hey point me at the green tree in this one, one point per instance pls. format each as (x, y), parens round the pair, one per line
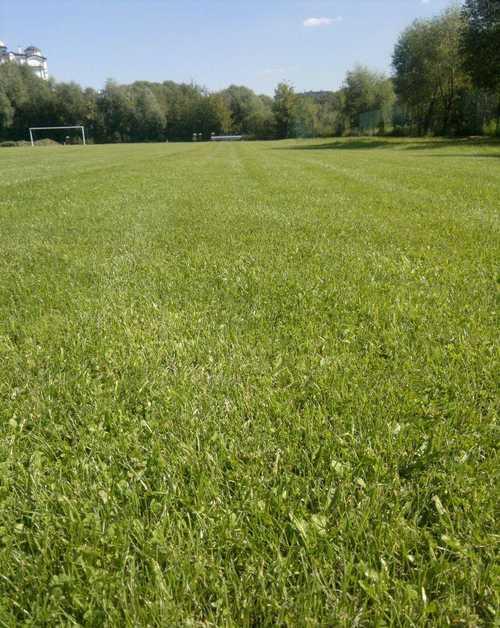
(260, 121)
(330, 118)
(305, 117)
(221, 114)
(31, 99)
(6, 114)
(480, 42)
(149, 119)
(183, 107)
(213, 115)
(365, 91)
(70, 104)
(285, 108)
(429, 77)
(247, 109)
(116, 108)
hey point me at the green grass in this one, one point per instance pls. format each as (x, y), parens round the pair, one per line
(249, 384)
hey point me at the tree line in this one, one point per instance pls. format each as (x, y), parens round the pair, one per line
(445, 81)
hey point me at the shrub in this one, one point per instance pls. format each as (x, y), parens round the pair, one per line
(492, 128)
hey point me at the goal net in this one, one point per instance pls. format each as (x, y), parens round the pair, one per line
(35, 129)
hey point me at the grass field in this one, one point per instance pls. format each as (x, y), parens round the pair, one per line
(249, 384)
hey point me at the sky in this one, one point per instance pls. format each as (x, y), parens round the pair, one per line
(258, 43)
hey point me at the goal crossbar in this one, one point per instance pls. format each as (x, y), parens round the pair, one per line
(52, 128)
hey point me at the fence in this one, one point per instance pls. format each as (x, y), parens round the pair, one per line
(474, 113)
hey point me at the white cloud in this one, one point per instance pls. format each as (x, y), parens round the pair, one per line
(314, 22)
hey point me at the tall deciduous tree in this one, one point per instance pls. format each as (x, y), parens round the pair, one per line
(481, 42)
(6, 113)
(248, 111)
(366, 90)
(306, 117)
(213, 115)
(285, 109)
(429, 74)
(149, 119)
(221, 114)
(116, 106)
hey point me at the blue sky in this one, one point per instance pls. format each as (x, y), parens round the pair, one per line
(212, 42)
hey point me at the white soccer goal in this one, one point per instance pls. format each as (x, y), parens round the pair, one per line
(53, 128)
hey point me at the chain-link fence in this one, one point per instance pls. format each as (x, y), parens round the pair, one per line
(474, 113)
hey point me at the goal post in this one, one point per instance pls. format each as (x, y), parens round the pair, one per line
(54, 128)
